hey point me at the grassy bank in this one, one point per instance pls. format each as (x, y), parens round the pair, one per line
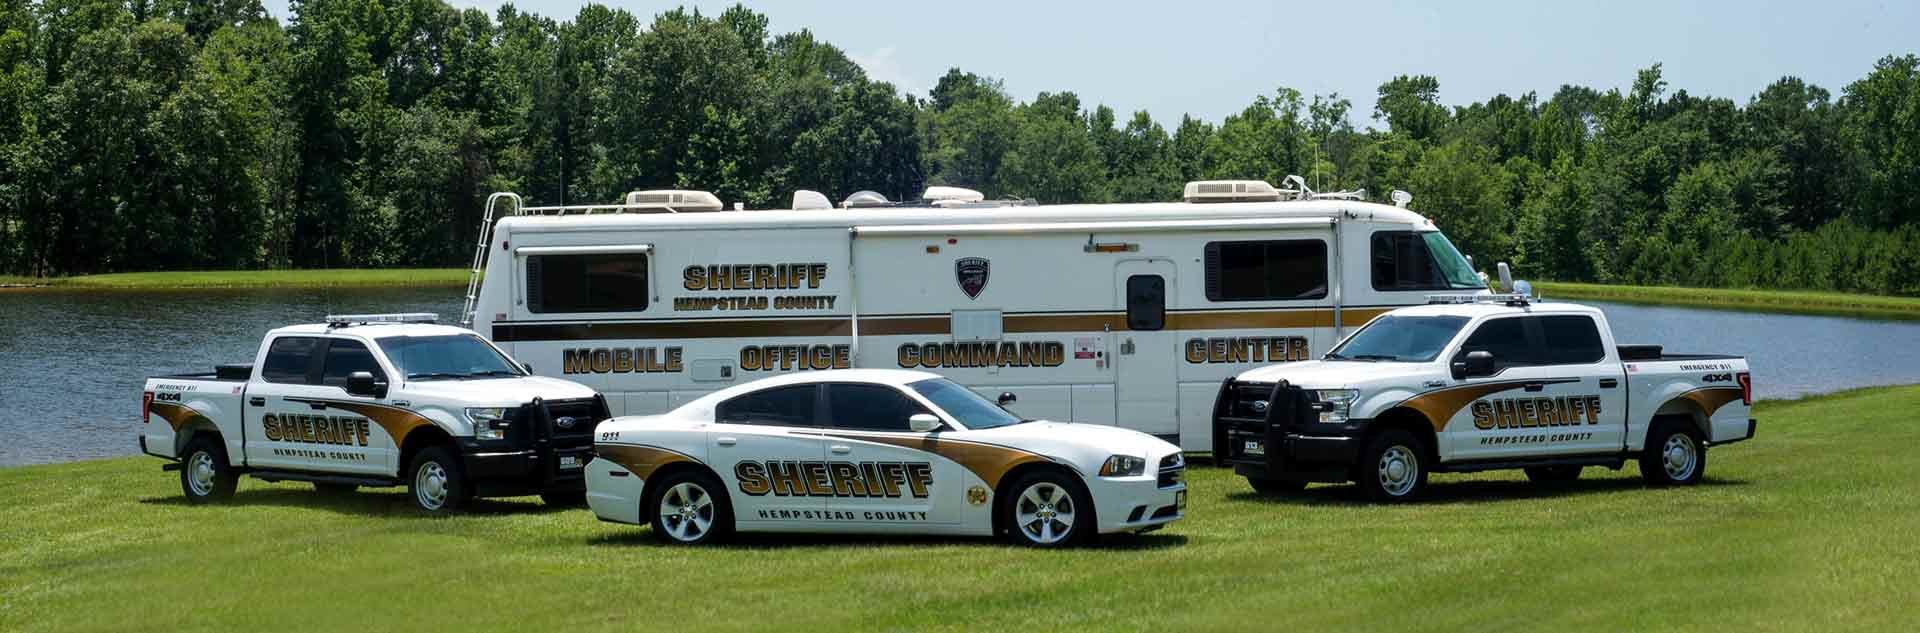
(337, 277)
(1803, 302)
(1807, 527)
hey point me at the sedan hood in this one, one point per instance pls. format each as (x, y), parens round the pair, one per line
(1084, 446)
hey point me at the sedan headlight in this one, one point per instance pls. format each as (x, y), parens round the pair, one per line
(489, 423)
(1334, 405)
(1123, 466)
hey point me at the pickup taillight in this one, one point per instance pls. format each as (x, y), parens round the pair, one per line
(146, 407)
(1746, 387)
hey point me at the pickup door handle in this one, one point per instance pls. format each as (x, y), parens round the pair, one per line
(1536, 386)
(725, 441)
(317, 405)
(258, 402)
(1609, 383)
(840, 449)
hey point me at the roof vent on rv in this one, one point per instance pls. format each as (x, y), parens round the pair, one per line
(957, 194)
(1231, 191)
(864, 199)
(674, 199)
(806, 199)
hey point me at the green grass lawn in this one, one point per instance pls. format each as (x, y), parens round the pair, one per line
(1813, 525)
(336, 277)
(1803, 302)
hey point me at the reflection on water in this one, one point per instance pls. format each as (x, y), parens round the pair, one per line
(74, 361)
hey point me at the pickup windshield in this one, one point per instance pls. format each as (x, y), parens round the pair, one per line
(446, 356)
(1403, 339)
(969, 408)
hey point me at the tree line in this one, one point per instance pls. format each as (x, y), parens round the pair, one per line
(195, 134)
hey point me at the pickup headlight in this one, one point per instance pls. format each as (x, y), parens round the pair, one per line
(1123, 466)
(1334, 404)
(489, 423)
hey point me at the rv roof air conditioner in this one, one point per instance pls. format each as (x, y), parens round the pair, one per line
(677, 200)
(1231, 191)
(806, 200)
(861, 199)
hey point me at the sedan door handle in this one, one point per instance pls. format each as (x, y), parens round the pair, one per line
(258, 402)
(840, 449)
(1609, 383)
(1536, 386)
(725, 441)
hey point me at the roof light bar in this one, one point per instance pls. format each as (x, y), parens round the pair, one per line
(337, 320)
(1510, 298)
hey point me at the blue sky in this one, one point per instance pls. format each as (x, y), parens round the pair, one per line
(1211, 59)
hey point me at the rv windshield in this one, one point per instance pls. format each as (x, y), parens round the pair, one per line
(967, 407)
(1400, 339)
(1450, 264)
(446, 356)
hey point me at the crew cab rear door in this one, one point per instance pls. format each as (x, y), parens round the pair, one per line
(1554, 391)
(293, 421)
(761, 443)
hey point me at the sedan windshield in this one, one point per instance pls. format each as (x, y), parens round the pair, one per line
(969, 408)
(1405, 339)
(446, 356)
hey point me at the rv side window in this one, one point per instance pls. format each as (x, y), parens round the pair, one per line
(597, 282)
(1266, 270)
(780, 406)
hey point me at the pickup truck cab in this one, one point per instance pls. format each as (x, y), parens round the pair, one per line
(1480, 382)
(377, 401)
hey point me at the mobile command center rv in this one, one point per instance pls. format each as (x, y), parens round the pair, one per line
(1123, 314)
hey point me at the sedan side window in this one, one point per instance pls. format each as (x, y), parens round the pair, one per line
(870, 407)
(780, 406)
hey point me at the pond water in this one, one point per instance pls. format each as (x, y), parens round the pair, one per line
(72, 362)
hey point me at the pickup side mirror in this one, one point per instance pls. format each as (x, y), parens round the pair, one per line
(924, 423)
(1007, 398)
(1475, 365)
(527, 366)
(362, 383)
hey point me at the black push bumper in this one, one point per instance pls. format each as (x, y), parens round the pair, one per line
(1273, 432)
(539, 457)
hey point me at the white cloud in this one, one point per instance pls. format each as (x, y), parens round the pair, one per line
(881, 65)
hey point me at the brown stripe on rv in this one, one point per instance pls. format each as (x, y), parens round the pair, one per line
(640, 460)
(920, 325)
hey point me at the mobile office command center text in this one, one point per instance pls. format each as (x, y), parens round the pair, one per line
(1121, 314)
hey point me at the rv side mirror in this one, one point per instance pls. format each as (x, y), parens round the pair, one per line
(1007, 398)
(923, 423)
(361, 383)
(1476, 364)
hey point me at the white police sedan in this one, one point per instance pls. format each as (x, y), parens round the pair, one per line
(878, 451)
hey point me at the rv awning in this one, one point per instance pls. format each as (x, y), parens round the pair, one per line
(582, 250)
(1137, 226)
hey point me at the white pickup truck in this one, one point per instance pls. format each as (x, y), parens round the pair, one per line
(1470, 383)
(375, 400)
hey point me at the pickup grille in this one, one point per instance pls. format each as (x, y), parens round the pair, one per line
(570, 423)
(1249, 400)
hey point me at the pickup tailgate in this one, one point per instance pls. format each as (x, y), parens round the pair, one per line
(172, 408)
(1718, 387)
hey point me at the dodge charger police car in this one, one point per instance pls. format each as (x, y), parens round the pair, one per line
(869, 451)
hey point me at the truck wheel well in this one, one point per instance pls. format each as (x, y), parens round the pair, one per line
(1411, 421)
(417, 441)
(196, 430)
(646, 509)
(1005, 487)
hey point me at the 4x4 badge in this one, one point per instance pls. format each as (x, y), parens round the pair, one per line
(972, 273)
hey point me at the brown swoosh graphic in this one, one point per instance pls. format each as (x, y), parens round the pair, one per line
(1439, 405)
(396, 421)
(991, 463)
(177, 416)
(1711, 399)
(642, 460)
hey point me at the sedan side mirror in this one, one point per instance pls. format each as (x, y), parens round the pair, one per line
(362, 383)
(1476, 364)
(924, 423)
(1007, 398)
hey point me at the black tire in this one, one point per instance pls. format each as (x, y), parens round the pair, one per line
(1554, 474)
(334, 490)
(1675, 454)
(1033, 506)
(1276, 487)
(705, 512)
(564, 499)
(435, 482)
(1393, 467)
(205, 475)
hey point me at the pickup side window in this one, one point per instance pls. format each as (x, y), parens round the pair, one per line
(1270, 270)
(290, 360)
(780, 406)
(870, 407)
(1506, 339)
(593, 282)
(1571, 339)
(345, 357)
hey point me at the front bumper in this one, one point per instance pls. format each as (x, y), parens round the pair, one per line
(1140, 503)
(537, 457)
(1287, 442)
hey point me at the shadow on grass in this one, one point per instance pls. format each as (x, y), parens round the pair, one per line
(643, 537)
(1444, 492)
(373, 503)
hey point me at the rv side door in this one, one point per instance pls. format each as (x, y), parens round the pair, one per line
(1144, 354)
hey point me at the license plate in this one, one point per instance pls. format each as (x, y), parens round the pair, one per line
(569, 462)
(1180, 500)
(1254, 447)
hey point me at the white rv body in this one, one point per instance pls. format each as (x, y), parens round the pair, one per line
(1031, 300)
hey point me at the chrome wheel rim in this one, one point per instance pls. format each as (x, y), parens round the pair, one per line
(686, 512)
(1679, 456)
(200, 473)
(1044, 513)
(430, 486)
(1399, 470)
